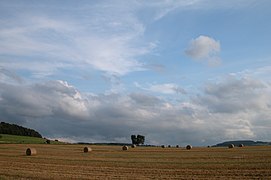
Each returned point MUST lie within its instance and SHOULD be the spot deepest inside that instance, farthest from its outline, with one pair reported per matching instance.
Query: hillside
(13, 139)
(14, 129)
(244, 142)
(15, 134)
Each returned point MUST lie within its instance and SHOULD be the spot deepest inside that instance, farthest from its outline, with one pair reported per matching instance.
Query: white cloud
(42, 100)
(204, 48)
(167, 88)
(9, 76)
(235, 95)
(106, 37)
(101, 36)
(110, 40)
(163, 8)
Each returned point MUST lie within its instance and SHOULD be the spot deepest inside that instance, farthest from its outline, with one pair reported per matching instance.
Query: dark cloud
(235, 108)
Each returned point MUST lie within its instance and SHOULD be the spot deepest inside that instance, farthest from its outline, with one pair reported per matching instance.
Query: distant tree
(139, 139)
(134, 139)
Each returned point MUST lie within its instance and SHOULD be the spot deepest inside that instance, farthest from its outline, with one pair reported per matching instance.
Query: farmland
(110, 162)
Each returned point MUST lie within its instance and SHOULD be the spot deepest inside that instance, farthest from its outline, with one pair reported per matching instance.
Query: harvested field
(111, 162)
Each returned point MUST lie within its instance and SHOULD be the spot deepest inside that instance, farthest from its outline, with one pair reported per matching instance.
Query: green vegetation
(14, 129)
(13, 139)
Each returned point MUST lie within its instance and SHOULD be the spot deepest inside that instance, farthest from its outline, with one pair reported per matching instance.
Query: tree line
(13, 129)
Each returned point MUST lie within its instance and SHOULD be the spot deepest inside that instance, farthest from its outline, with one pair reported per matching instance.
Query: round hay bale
(188, 147)
(87, 149)
(177, 146)
(30, 151)
(133, 146)
(231, 146)
(125, 148)
(163, 146)
(241, 145)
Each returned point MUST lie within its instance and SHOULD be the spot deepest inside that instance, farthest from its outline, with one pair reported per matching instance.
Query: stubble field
(110, 162)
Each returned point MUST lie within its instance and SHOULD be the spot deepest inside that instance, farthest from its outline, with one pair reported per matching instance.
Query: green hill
(14, 129)
(13, 139)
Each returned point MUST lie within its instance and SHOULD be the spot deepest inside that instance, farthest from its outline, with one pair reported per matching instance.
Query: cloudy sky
(178, 72)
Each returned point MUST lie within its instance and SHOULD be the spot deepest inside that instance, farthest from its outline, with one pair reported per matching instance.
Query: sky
(176, 71)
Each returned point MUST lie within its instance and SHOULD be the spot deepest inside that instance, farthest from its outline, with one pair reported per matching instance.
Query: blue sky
(176, 71)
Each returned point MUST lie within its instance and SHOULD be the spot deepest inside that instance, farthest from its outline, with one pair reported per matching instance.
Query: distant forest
(13, 129)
